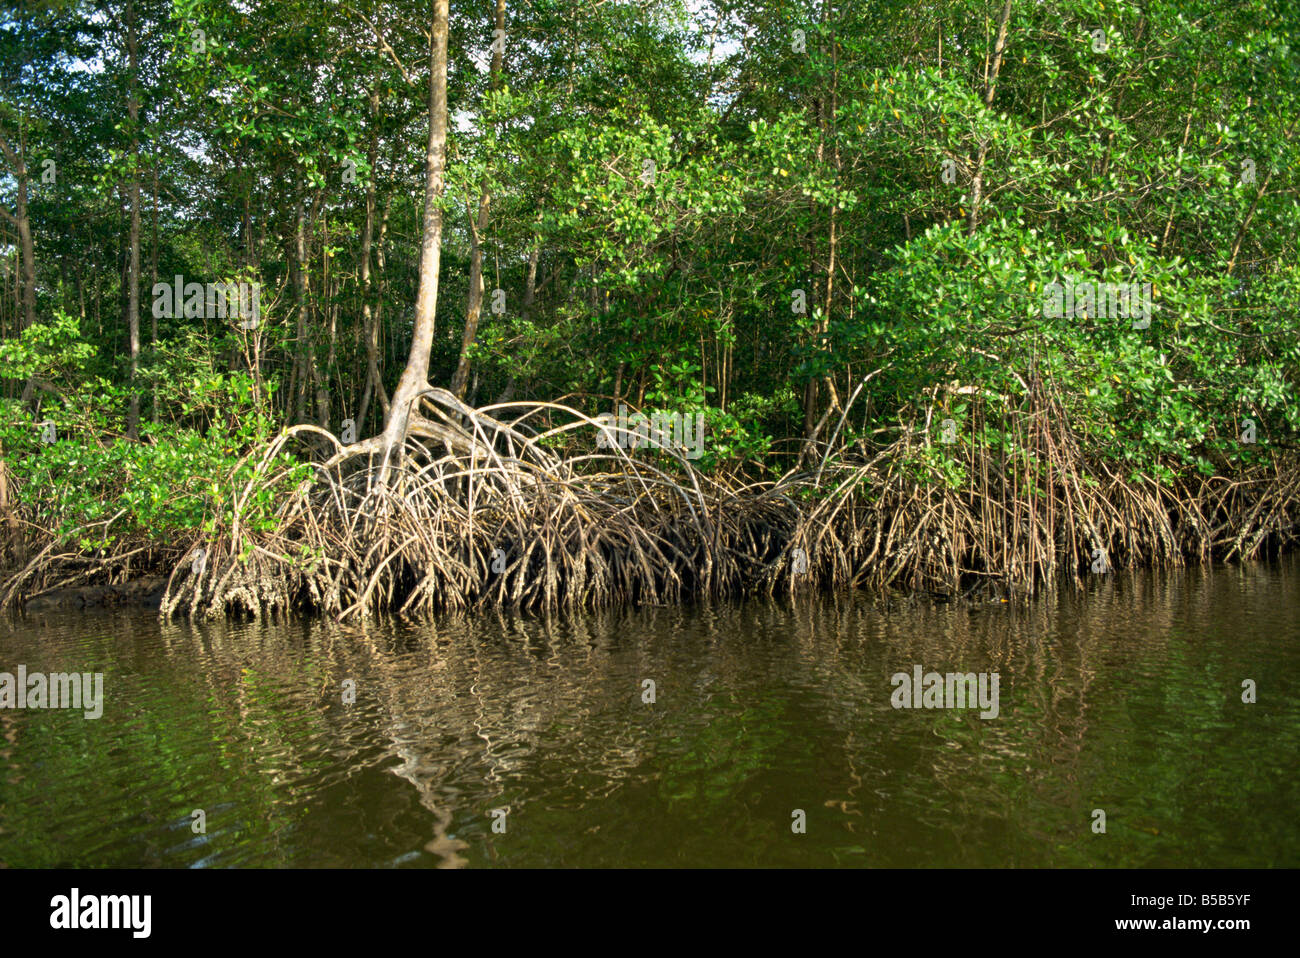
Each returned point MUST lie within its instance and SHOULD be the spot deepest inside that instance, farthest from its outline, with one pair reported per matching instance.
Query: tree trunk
(370, 331)
(416, 374)
(381, 287)
(322, 375)
(530, 296)
(153, 281)
(990, 85)
(133, 294)
(17, 161)
(474, 299)
(306, 361)
(474, 304)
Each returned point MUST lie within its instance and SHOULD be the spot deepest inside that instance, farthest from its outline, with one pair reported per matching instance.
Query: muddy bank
(145, 593)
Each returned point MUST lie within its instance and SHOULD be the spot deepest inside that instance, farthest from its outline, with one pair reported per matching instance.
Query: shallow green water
(1126, 698)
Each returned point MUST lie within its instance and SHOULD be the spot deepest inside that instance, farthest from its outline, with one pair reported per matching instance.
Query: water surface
(1125, 698)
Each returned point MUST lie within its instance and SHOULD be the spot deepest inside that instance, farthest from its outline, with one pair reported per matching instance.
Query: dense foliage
(814, 222)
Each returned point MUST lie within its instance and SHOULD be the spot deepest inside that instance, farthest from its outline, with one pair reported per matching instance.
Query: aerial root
(478, 508)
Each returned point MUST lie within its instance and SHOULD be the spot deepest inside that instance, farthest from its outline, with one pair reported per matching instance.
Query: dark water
(1127, 698)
